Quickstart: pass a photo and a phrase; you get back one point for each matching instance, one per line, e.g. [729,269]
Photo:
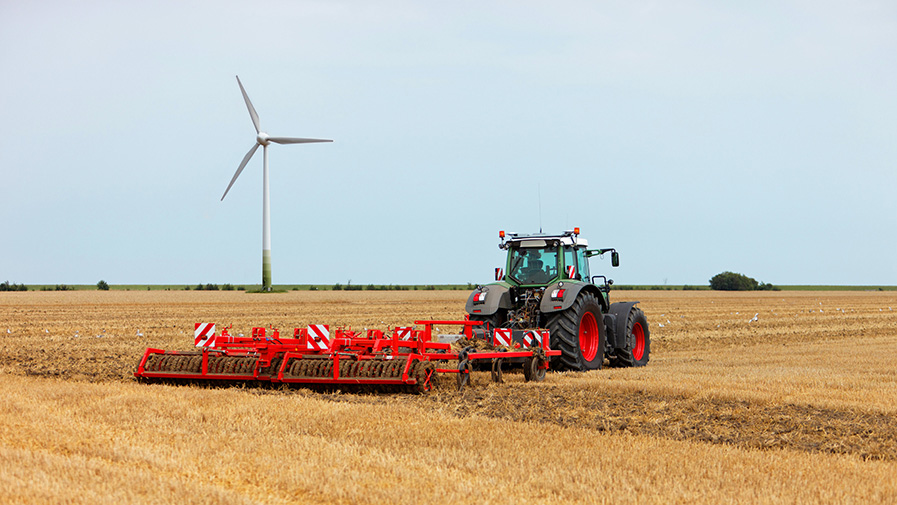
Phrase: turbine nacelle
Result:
[262,138]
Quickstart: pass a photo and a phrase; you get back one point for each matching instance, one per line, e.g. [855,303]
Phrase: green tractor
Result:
[548,284]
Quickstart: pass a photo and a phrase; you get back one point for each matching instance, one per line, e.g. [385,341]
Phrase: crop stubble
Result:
[814,373]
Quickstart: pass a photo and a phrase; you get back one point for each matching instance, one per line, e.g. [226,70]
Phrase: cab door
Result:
[582,265]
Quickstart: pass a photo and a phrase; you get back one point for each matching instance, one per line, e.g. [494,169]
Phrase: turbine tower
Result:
[262,139]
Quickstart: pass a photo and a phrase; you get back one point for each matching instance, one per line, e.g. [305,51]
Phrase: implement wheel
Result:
[532,370]
[578,333]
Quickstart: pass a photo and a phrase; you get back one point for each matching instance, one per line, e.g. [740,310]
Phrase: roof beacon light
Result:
[501,234]
[576,230]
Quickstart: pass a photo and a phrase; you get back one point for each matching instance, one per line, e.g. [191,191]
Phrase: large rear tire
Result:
[578,333]
[636,348]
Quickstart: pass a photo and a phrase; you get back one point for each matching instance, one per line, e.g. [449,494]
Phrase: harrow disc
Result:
[463,374]
[496,370]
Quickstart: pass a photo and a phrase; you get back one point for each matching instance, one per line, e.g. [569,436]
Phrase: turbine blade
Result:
[252,113]
[242,166]
[294,140]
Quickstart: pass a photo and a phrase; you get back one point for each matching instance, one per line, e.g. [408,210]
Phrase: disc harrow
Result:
[401,359]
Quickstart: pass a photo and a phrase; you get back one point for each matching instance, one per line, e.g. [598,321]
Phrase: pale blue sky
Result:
[695,137]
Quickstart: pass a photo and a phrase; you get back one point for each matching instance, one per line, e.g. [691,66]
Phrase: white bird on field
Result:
[755,318]
[660,324]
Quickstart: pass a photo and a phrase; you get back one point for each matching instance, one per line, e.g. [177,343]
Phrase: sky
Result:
[694,137]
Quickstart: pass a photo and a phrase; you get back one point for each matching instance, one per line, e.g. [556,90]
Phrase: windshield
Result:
[533,265]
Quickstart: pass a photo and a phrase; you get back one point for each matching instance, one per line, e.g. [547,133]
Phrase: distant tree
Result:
[104,286]
[6,286]
[731,281]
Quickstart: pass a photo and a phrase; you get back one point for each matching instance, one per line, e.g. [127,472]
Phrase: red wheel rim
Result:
[638,346]
[588,336]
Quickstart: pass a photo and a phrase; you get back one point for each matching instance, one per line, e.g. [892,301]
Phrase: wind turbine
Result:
[262,139]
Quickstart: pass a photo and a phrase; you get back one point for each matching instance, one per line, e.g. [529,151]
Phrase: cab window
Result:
[533,265]
[569,259]
[582,265]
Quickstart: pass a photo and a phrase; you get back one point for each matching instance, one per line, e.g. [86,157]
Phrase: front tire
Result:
[636,342]
[578,333]
[493,320]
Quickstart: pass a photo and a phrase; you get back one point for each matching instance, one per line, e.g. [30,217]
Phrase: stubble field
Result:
[797,406]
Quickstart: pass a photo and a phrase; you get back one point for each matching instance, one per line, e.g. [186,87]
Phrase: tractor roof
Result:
[541,239]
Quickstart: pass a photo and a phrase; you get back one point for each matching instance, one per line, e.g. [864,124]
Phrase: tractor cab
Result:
[540,260]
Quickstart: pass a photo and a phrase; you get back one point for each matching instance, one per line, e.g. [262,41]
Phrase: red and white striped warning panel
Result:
[318,338]
[404,332]
[501,336]
[571,271]
[499,274]
[534,338]
[204,334]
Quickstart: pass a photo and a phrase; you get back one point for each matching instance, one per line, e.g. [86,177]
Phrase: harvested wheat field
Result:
[798,406]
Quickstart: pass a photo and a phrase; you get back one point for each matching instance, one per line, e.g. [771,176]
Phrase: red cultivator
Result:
[404,358]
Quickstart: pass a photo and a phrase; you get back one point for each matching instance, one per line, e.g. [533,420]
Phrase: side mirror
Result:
[615,259]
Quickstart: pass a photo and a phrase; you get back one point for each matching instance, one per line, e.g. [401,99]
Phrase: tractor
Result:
[547,284]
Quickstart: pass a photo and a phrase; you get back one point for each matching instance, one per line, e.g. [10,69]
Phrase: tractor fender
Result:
[571,291]
[497,297]
[619,316]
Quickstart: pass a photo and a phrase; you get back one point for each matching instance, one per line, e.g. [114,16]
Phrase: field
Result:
[799,406]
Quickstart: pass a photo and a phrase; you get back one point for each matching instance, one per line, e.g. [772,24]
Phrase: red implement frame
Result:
[407,345]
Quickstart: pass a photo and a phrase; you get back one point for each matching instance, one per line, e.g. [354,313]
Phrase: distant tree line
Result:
[213,287]
[59,287]
[6,286]
[381,287]
[731,281]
